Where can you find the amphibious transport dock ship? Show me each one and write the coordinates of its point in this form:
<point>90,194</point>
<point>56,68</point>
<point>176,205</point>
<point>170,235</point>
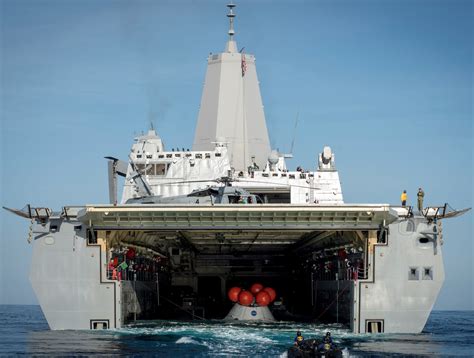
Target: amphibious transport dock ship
<point>192,224</point>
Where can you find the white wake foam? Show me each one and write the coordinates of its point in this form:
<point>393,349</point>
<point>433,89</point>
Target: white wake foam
<point>186,340</point>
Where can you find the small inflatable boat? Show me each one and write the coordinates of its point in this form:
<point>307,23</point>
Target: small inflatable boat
<point>310,348</point>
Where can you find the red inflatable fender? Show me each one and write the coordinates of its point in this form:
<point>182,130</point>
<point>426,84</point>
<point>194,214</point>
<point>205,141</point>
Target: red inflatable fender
<point>263,298</point>
<point>256,288</point>
<point>271,292</point>
<point>233,294</point>
<point>245,298</point>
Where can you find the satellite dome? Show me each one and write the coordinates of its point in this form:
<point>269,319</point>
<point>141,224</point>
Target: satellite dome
<point>327,153</point>
<point>273,157</point>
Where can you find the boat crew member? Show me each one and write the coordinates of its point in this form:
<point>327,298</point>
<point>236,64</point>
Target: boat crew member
<point>403,198</point>
<point>327,344</point>
<point>299,338</point>
<point>420,195</point>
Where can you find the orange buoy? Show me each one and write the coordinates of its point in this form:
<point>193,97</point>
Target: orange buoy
<point>233,294</point>
<point>245,298</point>
<point>271,292</point>
<point>263,298</point>
<point>256,288</point>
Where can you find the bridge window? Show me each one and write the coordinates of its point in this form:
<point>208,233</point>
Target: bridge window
<point>140,168</point>
<point>151,169</point>
<point>161,169</point>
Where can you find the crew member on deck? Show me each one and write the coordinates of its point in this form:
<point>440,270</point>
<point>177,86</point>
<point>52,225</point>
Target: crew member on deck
<point>403,198</point>
<point>420,195</point>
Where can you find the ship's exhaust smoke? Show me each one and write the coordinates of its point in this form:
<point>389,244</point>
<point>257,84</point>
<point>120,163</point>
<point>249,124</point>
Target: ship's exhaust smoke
<point>140,37</point>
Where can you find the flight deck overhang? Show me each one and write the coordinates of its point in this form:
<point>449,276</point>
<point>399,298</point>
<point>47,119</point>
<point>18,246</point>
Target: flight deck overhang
<point>237,217</point>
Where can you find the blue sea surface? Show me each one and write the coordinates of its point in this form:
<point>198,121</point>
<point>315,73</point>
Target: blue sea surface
<point>24,331</point>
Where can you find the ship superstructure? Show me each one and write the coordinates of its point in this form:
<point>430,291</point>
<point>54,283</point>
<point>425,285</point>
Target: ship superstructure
<point>192,224</point>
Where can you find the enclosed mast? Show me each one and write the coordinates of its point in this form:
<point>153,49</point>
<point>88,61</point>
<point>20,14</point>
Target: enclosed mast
<point>231,107</point>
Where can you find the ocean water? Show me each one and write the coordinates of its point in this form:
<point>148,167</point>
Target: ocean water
<point>24,331</point>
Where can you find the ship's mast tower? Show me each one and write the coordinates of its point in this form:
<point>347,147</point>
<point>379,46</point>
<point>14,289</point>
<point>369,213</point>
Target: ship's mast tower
<point>231,106</point>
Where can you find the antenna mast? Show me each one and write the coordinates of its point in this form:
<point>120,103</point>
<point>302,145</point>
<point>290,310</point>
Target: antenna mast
<point>231,45</point>
<point>231,16</point>
<point>294,132</point>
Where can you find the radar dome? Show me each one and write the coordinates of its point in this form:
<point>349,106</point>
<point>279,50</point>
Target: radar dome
<point>326,155</point>
<point>327,152</point>
<point>273,157</point>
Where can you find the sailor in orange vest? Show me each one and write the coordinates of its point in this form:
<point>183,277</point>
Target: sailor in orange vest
<point>403,198</point>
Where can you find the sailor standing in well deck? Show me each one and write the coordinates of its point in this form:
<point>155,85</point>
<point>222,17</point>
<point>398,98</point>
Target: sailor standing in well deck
<point>403,198</point>
<point>420,195</point>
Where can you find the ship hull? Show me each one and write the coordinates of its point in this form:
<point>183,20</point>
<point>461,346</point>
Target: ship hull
<point>379,273</point>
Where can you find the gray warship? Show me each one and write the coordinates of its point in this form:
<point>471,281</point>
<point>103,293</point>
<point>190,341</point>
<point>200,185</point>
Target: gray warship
<point>192,224</point>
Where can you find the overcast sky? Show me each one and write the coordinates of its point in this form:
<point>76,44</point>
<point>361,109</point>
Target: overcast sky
<point>387,84</point>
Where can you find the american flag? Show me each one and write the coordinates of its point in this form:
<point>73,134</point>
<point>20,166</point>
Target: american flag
<point>243,64</point>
